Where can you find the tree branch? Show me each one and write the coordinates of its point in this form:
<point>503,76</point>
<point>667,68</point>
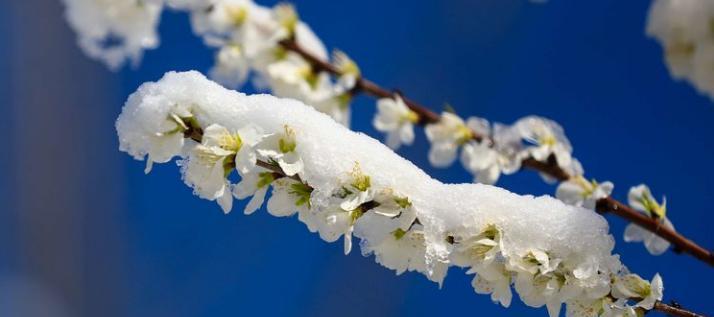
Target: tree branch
<point>674,310</point>
<point>680,243</point>
<point>196,133</point>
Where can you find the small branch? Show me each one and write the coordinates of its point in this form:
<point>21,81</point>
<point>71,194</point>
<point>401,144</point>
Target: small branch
<point>674,311</point>
<point>277,170</point>
<point>425,115</point>
<point>679,242</point>
<point>550,168</point>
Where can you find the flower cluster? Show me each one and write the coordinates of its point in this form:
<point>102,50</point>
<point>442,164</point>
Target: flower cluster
<point>684,29</point>
<point>247,37</point>
<point>287,149</point>
<point>489,151</point>
<point>114,31</point>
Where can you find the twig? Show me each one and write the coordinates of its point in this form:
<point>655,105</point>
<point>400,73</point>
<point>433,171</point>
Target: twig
<point>674,311</point>
<point>550,168</point>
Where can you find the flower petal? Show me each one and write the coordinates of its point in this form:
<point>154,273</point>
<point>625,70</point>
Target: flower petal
<point>256,201</point>
<point>281,203</point>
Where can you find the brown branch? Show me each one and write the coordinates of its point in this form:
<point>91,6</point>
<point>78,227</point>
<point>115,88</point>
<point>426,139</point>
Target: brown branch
<point>550,168</point>
<point>277,170</point>
<point>674,310</point>
<point>680,243</point>
<point>425,115</point>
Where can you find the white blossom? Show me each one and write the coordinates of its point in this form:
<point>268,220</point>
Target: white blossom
<point>358,190</point>
<point>235,22</point>
<point>288,197</point>
<point>163,146</point>
<point>619,308</point>
<point>483,253</point>
<point>544,138</point>
<point>397,120</point>
<point>205,172</point>
<point>232,66</point>
<point>405,250</point>
<point>494,280</point>
<point>281,149</point>
<point>447,135</point>
<point>295,78</point>
<point>496,153</point>
<point>632,286</point>
<point>540,281</point>
<point>683,28</point>
<point>583,193</point>
<point>114,31</point>
<point>584,307</point>
<point>348,70</point>
<point>254,185</point>
<point>210,162</point>
<point>640,198</point>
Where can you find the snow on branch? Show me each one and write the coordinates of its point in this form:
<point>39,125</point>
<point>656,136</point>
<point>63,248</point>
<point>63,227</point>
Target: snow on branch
<point>341,183</point>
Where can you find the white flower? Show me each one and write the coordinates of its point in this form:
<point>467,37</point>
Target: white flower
<point>394,205</point>
<point>480,249</point>
<point>241,144</point>
<point>281,149</point>
<point>617,309</point>
<point>496,153</point>
<point>589,280</point>
<point>348,70</point>
<point>640,198</point>
<point>233,21</point>
<point>539,281</point>
<point>294,78</point>
<point>579,192</point>
<point>584,307</point>
<point>205,172</point>
<point>336,223</point>
<point>288,197</point>
<point>256,185</point>
<point>387,213</point>
<point>163,146</point>
<point>397,120</point>
<point>335,103</point>
<point>231,68</point>
<point>544,138</point>
<point>633,287</point>
<point>357,192</point>
<point>210,162</point>
<point>481,160</point>
<point>405,250</point>
<point>156,135</point>
<point>446,136</point>
<point>683,29</point>
<point>338,212</point>
<point>494,280</point>
<point>482,252</point>
<point>114,31</point>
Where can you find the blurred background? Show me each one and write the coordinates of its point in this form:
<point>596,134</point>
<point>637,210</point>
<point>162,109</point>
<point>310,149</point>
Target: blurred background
<point>83,232</point>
